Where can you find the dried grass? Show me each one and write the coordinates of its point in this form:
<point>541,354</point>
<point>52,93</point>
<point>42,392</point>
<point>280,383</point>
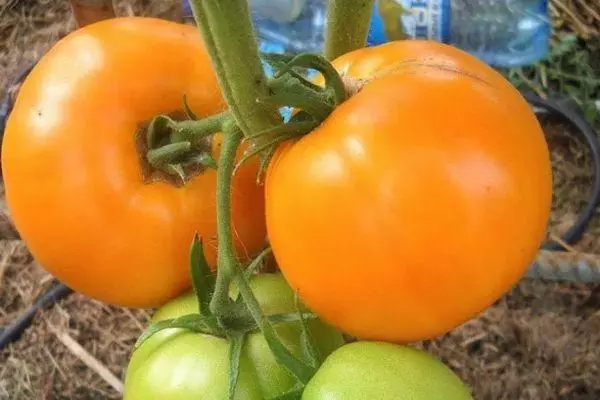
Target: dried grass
<point>579,16</point>
<point>541,341</point>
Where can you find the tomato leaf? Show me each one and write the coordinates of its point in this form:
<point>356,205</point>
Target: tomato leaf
<point>203,280</point>
<point>235,354</point>
<point>307,341</point>
<point>192,322</point>
<point>294,365</point>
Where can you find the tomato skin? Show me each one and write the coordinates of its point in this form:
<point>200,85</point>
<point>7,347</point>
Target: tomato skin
<point>73,178</point>
<point>384,371</point>
<point>176,364</point>
<point>419,201</point>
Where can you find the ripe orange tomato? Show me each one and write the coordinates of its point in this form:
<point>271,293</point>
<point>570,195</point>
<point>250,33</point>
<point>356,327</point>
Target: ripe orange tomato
<point>419,201</point>
<point>73,176</point>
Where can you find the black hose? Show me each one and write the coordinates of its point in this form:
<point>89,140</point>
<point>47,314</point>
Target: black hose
<point>56,292</point>
<point>572,235</point>
<point>585,130</point>
<point>16,328</point>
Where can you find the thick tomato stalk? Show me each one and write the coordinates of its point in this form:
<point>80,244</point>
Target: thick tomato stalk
<point>418,202</point>
<point>176,364</point>
<point>74,170</point>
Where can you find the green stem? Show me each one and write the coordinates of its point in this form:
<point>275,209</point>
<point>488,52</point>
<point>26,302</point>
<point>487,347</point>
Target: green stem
<point>226,255</point>
<point>300,370</point>
<point>228,266</point>
<point>229,37</point>
<point>347,26</point>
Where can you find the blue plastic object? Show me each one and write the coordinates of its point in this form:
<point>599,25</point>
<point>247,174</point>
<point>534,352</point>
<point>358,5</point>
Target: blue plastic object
<point>503,33</point>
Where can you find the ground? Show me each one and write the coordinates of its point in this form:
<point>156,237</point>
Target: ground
<point>540,341</point>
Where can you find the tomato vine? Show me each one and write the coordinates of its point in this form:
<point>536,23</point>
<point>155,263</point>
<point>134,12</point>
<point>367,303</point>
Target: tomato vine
<point>253,102</point>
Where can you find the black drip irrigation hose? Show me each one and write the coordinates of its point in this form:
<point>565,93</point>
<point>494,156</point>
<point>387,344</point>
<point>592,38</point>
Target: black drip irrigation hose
<point>59,291</point>
<point>574,233</point>
<point>16,328</point>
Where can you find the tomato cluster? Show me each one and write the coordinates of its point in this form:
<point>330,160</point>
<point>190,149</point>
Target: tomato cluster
<point>177,364</point>
<point>414,205</point>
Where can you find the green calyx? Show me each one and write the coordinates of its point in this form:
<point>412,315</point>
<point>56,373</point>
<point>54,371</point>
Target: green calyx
<point>182,148</point>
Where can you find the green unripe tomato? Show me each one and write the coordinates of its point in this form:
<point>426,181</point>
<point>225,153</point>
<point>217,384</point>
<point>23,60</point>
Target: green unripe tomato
<point>384,371</point>
<point>176,364</point>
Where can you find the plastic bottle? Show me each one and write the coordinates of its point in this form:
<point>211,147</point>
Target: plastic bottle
<point>503,33</point>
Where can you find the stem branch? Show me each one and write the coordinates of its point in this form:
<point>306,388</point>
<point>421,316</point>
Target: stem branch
<point>228,266</point>
<point>347,26</point>
<point>226,255</point>
<point>195,130</point>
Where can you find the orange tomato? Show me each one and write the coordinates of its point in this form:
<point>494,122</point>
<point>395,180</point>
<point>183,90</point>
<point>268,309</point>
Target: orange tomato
<point>419,201</point>
<point>73,176</point>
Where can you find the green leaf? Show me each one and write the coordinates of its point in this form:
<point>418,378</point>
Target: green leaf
<point>573,93</point>
<point>235,354</point>
<point>307,340</point>
<point>294,394</point>
<point>590,112</point>
<point>203,280</point>
<point>565,44</point>
<point>192,322</point>
<point>256,264</point>
<point>294,365</point>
